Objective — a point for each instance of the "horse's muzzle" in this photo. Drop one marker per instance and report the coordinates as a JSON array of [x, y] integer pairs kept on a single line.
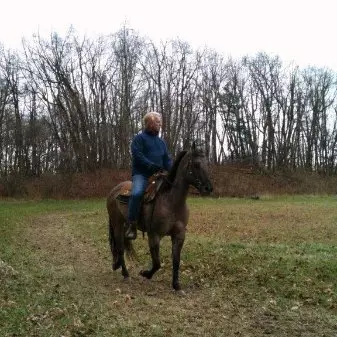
[[206, 189]]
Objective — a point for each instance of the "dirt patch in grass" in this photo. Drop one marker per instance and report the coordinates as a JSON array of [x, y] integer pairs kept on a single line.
[[142, 307]]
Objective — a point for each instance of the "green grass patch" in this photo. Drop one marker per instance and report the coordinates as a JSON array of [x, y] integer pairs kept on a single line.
[[249, 268]]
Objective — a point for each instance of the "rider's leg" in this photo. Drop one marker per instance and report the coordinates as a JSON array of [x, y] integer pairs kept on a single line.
[[139, 183]]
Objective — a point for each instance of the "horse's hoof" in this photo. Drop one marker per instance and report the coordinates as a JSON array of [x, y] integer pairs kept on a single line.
[[176, 287], [180, 292], [126, 279], [116, 265], [145, 273]]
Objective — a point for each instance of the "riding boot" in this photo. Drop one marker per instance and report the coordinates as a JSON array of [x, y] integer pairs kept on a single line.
[[131, 230]]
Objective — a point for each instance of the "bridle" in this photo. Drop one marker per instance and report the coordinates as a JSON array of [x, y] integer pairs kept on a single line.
[[191, 175]]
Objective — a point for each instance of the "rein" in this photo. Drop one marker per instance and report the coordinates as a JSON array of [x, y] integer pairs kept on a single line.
[[191, 173]]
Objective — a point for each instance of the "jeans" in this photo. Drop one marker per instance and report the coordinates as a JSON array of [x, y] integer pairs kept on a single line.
[[139, 183]]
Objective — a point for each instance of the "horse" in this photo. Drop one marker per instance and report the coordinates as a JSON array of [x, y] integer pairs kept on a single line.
[[166, 215]]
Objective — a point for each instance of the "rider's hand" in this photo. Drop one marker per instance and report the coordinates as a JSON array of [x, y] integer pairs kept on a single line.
[[156, 168]]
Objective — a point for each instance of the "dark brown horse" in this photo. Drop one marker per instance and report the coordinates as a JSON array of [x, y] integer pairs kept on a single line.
[[166, 215]]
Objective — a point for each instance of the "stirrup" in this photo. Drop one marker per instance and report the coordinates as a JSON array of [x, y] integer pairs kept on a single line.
[[131, 231]]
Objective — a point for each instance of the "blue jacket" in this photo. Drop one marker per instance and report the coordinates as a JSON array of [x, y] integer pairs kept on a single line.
[[149, 154]]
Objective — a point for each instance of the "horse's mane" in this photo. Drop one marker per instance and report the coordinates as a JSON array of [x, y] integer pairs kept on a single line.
[[173, 171]]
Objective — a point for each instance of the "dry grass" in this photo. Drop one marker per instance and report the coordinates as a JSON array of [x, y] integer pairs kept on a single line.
[[228, 181], [250, 268], [290, 220]]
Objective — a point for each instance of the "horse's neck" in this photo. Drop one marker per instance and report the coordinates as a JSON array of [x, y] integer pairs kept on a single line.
[[178, 191], [177, 186]]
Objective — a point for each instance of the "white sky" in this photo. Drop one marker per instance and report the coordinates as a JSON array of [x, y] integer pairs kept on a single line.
[[299, 30]]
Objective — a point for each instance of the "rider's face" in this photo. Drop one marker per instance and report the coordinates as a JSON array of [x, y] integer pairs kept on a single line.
[[156, 124]]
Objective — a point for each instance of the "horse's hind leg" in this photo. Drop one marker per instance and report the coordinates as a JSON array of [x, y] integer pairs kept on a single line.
[[125, 271], [121, 259], [177, 245], [116, 240], [154, 242]]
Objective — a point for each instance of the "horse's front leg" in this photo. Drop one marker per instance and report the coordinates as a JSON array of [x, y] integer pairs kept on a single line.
[[154, 241], [177, 245]]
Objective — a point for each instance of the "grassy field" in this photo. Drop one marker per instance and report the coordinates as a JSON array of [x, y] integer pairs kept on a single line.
[[264, 267]]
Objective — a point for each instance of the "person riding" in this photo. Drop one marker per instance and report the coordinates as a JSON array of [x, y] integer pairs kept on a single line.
[[149, 155]]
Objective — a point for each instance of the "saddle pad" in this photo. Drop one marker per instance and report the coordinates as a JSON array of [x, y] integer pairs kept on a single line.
[[124, 199], [152, 188]]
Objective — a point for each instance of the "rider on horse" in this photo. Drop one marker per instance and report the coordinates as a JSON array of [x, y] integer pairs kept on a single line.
[[149, 155]]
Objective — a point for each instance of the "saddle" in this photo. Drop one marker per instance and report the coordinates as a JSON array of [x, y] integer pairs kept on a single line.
[[153, 186]]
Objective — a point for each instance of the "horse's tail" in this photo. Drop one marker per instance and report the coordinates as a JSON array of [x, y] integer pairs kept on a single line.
[[113, 246], [129, 249]]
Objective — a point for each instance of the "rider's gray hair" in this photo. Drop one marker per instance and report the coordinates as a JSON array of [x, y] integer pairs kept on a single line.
[[148, 118]]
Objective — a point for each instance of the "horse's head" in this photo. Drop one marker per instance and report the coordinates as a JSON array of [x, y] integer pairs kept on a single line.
[[197, 171]]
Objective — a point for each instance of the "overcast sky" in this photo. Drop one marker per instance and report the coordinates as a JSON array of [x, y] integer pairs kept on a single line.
[[300, 30]]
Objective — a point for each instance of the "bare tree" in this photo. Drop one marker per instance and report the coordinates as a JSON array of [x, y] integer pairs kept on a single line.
[[10, 74], [74, 104], [320, 96], [264, 72]]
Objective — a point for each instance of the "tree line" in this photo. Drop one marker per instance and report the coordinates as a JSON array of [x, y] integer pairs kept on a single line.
[[73, 104]]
